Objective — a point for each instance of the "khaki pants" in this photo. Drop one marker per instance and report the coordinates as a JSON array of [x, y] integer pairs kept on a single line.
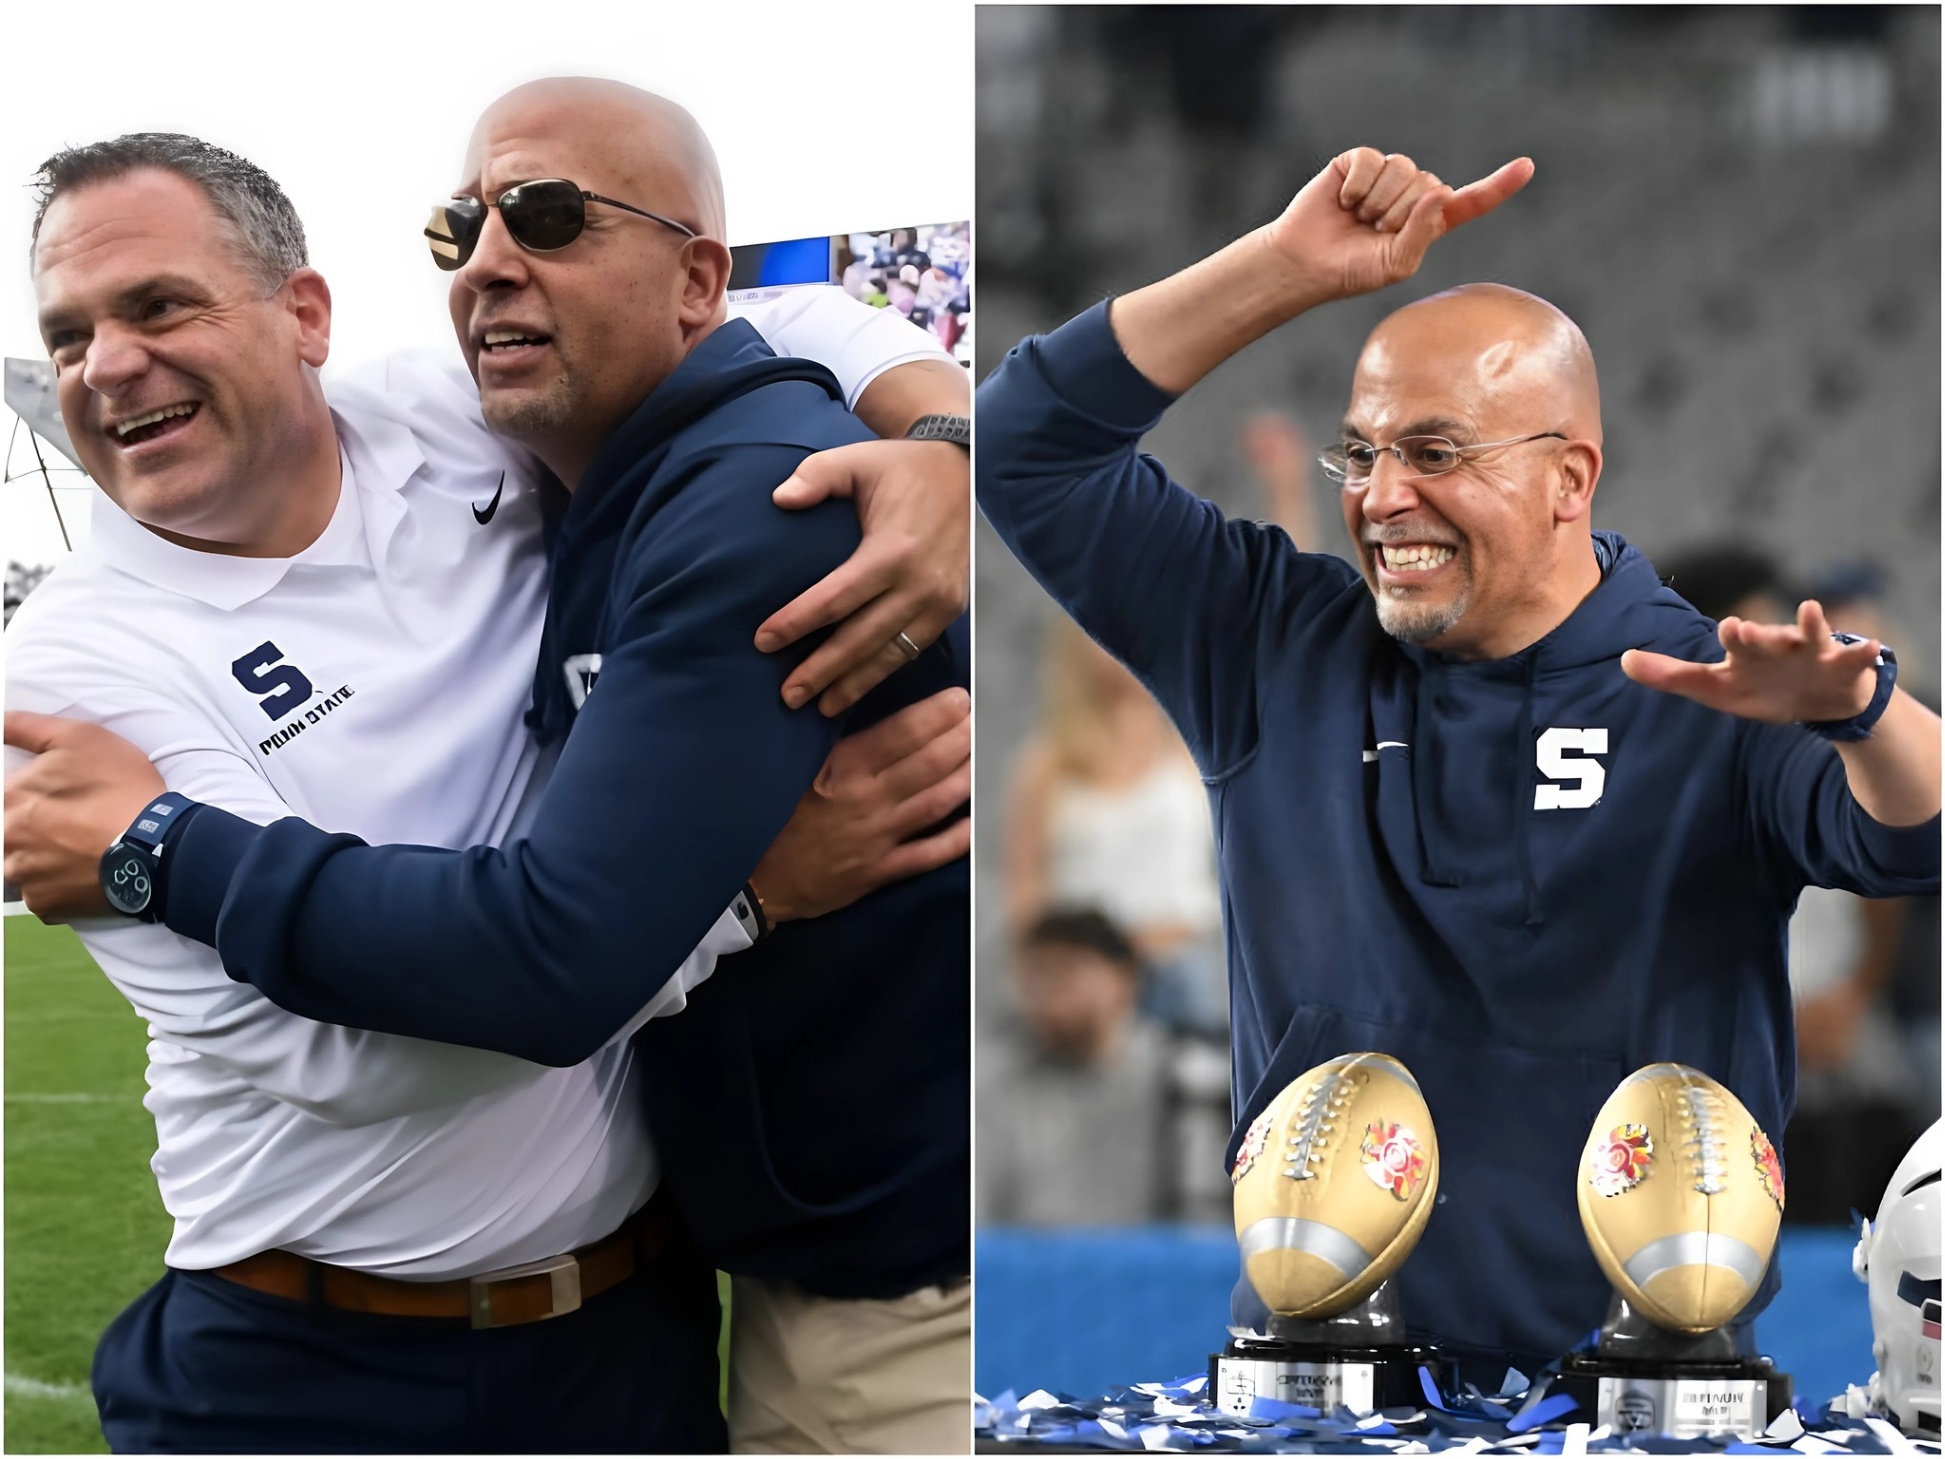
[[815, 1375]]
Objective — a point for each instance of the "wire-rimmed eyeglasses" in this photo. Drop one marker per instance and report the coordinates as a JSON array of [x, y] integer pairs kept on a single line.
[[1354, 461]]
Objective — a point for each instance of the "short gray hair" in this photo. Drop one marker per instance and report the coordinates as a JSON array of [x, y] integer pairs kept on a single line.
[[252, 208]]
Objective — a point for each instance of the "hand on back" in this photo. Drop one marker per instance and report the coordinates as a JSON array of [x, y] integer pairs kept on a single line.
[[873, 815], [911, 574]]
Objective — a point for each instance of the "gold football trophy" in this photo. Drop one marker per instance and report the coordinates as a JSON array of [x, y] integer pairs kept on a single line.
[[1333, 1185], [1680, 1195]]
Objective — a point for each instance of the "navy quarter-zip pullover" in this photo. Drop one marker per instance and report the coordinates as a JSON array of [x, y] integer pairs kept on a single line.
[[811, 1106], [1525, 878]]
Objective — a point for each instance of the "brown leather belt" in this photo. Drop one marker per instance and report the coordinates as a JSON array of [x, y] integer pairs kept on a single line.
[[530, 1292]]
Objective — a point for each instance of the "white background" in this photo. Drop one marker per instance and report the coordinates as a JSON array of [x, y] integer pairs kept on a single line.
[[825, 120]]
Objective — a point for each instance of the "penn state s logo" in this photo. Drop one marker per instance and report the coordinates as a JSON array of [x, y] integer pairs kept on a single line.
[[1567, 755], [279, 687]]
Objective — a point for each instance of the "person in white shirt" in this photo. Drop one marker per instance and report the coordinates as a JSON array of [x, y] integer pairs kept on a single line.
[[360, 653], [1108, 812]]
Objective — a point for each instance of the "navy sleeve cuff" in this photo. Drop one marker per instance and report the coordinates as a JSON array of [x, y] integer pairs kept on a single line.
[[199, 856], [1910, 853], [1083, 362]]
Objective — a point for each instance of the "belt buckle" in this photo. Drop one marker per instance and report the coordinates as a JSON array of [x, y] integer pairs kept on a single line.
[[564, 1273]]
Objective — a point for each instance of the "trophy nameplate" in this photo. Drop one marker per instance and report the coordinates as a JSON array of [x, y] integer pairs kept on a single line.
[[1643, 1379], [1358, 1358]]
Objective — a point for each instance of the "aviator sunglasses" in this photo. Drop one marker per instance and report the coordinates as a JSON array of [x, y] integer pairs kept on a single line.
[[541, 216]]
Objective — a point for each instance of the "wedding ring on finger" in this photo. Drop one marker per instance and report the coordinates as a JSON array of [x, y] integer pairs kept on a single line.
[[906, 647]]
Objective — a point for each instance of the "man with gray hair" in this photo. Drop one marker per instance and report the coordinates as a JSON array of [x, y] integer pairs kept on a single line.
[[328, 603], [252, 210]]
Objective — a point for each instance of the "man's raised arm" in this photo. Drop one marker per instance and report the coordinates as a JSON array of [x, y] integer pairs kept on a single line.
[[1151, 571], [1361, 224]]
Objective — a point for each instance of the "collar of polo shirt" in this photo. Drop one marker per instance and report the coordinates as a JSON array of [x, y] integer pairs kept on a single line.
[[379, 456]]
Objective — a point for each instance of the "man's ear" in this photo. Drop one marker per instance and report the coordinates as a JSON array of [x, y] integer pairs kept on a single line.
[[704, 282], [1580, 471], [310, 306]]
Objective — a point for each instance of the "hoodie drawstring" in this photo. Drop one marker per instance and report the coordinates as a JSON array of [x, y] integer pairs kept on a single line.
[[1423, 769], [1523, 796]]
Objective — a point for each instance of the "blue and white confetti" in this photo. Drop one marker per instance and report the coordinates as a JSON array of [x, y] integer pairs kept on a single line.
[[1522, 1418]]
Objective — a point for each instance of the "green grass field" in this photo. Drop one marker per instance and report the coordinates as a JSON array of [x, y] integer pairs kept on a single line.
[[85, 1229]]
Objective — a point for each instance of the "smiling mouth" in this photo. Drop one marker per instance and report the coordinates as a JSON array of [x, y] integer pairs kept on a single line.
[[156, 424], [507, 341], [1414, 557]]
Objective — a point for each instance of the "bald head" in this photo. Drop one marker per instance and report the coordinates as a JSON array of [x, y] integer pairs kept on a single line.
[[566, 341], [1511, 361], [643, 141], [1491, 551]]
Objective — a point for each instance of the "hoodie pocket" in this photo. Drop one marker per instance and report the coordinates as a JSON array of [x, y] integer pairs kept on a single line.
[[1503, 1263]]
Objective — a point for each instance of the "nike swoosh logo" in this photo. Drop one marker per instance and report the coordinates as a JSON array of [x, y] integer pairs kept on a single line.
[[493, 506]]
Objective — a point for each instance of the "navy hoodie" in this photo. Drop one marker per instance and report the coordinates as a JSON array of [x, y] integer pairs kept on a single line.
[[1436, 859], [810, 1106]]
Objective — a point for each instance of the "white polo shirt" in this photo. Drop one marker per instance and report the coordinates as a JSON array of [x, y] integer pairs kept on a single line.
[[375, 683]]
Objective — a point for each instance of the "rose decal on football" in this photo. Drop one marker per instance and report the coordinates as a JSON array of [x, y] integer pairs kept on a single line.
[[1622, 1161], [1392, 1158], [1768, 1167], [1254, 1139]]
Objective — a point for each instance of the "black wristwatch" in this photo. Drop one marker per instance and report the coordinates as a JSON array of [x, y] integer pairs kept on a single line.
[[128, 868], [954, 428]]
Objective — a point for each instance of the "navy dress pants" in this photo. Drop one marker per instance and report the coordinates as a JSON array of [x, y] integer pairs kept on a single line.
[[201, 1365]]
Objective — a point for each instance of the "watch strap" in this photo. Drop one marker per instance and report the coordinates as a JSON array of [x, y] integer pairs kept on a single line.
[[747, 908], [1859, 725], [954, 428], [131, 869], [149, 828]]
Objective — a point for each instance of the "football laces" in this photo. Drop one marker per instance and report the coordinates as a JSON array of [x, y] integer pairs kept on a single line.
[[1316, 1121], [1702, 1140]]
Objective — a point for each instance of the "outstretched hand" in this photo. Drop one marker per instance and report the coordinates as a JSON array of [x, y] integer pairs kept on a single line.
[[1791, 673], [1367, 219]]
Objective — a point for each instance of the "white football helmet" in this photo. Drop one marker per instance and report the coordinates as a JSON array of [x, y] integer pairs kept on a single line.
[[1897, 1256]]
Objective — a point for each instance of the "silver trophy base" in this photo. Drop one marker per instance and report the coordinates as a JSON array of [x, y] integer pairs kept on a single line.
[[1683, 1408], [1643, 1379], [1358, 1359]]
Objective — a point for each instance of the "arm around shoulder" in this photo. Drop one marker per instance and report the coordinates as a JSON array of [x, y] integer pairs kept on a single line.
[[682, 767], [1154, 573]]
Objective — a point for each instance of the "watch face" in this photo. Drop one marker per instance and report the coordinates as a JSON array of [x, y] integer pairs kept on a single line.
[[127, 876]]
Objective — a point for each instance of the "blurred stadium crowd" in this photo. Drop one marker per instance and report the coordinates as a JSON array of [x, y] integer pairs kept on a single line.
[[924, 273], [1741, 209]]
